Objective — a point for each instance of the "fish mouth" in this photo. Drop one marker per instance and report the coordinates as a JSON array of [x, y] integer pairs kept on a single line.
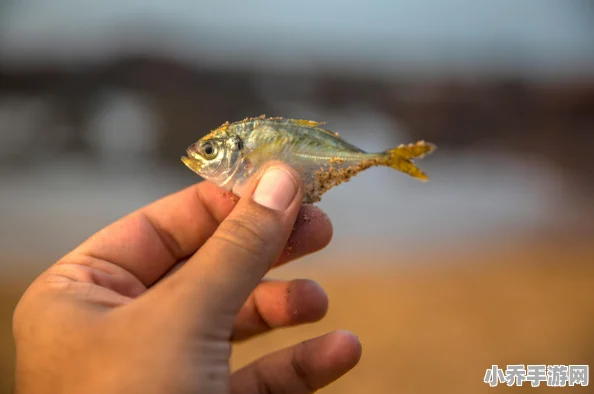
[[193, 161], [192, 164]]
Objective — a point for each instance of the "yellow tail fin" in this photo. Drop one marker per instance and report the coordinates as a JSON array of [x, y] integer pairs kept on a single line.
[[401, 158]]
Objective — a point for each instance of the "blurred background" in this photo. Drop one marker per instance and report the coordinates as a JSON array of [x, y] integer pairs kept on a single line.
[[492, 262]]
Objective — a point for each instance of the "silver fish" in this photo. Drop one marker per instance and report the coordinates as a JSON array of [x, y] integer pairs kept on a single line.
[[231, 154]]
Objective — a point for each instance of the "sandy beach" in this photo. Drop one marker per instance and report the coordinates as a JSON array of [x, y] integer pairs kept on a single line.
[[437, 323]]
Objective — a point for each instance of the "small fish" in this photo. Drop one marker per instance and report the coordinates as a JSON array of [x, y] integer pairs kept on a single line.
[[232, 153]]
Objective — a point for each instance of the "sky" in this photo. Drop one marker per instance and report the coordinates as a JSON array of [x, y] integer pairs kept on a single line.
[[539, 37]]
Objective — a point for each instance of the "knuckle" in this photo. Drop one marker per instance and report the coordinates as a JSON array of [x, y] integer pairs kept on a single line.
[[244, 233], [301, 374]]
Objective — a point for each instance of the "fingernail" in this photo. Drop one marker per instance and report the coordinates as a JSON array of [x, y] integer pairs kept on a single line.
[[276, 190]]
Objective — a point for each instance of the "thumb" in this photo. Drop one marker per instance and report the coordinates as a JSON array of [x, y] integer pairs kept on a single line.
[[227, 268]]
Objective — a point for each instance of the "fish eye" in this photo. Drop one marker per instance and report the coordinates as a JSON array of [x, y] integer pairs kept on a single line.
[[209, 150]]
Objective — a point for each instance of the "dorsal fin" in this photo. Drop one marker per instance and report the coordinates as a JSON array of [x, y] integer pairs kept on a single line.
[[221, 129], [305, 122], [311, 123]]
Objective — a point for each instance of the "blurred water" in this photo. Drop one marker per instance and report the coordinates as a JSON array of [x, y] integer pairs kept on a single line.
[[472, 198], [49, 207]]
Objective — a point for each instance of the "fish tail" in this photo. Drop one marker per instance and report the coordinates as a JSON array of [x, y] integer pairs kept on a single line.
[[402, 158]]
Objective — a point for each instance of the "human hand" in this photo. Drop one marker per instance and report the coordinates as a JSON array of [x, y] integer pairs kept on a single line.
[[121, 314]]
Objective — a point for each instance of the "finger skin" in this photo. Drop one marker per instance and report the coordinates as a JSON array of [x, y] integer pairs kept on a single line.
[[149, 242], [102, 300], [229, 266], [301, 369], [276, 304], [312, 232]]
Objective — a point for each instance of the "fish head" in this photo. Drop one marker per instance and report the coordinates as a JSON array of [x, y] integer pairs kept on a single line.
[[215, 157]]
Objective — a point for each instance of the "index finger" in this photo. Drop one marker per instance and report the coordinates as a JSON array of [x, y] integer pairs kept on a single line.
[[149, 241]]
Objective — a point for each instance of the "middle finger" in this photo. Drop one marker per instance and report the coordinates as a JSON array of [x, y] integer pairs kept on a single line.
[[275, 304]]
